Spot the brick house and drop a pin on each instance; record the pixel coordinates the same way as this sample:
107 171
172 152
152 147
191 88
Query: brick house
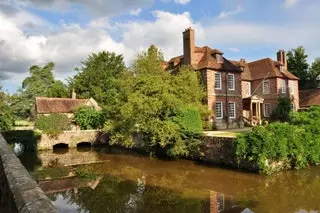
309 97
221 76
237 91
263 83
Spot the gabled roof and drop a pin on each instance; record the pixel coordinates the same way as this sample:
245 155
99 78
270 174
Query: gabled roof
266 68
46 105
309 97
207 61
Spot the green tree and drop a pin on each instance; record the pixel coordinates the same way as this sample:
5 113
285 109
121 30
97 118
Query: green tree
314 72
41 82
282 111
6 119
99 77
298 65
153 100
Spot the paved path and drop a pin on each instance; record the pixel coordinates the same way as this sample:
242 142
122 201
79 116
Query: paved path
230 133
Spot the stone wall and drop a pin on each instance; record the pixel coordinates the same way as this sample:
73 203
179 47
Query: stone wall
72 138
220 151
18 191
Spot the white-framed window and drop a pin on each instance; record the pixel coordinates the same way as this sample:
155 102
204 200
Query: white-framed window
266 110
283 86
266 87
248 92
219 110
217 81
232 110
291 87
219 58
292 107
231 83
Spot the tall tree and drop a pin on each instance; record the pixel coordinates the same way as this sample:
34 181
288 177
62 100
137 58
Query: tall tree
298 65
99 77
154 100
314 73
41 82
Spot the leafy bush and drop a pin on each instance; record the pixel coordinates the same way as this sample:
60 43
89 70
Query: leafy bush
88 118
189 120
294 145
53 124
282 111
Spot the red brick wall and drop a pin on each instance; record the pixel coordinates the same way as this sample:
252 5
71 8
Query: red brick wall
245 88
214 95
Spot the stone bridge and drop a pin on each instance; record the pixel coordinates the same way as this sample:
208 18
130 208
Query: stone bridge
69 138
19 193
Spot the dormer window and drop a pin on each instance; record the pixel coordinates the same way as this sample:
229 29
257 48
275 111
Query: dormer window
219 58
281 68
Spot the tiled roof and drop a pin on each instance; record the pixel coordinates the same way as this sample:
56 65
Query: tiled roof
266 68
309 97
207 61
58 105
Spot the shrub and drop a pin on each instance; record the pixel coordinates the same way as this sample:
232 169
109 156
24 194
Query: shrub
295 145
189 120
282 111
53 124
88 118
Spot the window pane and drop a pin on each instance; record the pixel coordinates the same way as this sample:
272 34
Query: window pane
284 86
248 88
231 82
232 110
266 87
217 82
219 112
267 110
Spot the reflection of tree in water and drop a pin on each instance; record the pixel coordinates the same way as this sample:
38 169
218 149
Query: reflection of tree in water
114 194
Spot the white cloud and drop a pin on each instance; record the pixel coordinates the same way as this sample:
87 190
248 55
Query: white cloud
225 14
136 12
182 1
290 3
234 49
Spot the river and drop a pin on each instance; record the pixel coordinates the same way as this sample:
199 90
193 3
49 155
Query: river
114 180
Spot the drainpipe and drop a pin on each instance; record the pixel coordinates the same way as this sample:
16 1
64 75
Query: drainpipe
227 104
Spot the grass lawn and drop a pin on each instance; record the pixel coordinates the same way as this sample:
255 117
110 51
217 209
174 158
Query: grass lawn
229 133
23 123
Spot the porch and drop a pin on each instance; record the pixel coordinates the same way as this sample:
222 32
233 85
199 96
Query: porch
252 110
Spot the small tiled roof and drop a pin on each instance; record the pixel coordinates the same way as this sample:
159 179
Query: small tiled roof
268 68
58 105
309 97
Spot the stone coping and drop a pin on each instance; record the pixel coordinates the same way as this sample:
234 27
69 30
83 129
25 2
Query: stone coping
26 193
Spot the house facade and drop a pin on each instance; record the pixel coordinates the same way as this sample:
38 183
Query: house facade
238 91
263 83
221 77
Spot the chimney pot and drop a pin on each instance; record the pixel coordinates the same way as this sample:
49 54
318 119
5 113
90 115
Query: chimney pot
188 46
74 94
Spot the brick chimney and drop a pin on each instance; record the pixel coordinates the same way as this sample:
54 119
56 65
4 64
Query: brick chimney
74 94
188 46
281 57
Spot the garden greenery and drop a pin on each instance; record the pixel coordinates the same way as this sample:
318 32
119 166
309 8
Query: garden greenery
89 118
53 124
278 146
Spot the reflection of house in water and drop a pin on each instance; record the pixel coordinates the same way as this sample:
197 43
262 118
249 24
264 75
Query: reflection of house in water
68 184
221 203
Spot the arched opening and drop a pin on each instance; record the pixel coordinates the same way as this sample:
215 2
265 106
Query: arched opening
60 148
84 147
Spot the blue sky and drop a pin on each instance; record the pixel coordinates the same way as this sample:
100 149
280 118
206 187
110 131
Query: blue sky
66 31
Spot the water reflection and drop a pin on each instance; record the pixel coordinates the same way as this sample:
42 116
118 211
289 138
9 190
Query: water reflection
127 182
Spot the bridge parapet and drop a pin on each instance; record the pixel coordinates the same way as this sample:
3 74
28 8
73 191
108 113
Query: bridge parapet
18 191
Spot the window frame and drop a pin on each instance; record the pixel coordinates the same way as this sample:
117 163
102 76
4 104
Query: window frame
283 86
248 88
233 82
221 117
292 107
220 81
263 88
291 87
264 110
234 109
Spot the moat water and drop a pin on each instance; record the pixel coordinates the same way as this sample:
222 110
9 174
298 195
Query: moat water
119 181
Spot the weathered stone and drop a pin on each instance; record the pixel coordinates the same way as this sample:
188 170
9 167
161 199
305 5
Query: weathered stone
19 192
